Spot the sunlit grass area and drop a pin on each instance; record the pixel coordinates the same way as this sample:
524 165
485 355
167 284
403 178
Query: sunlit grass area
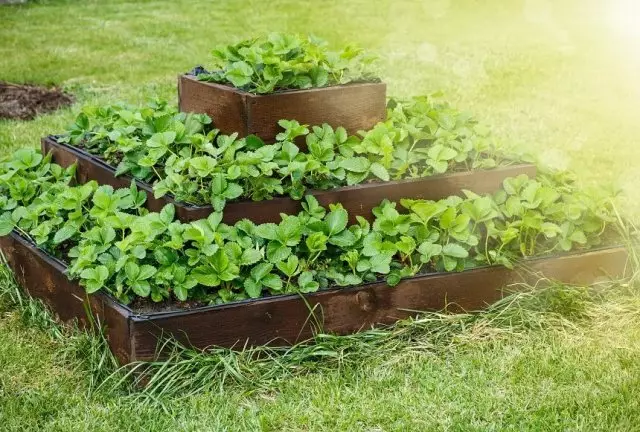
559 78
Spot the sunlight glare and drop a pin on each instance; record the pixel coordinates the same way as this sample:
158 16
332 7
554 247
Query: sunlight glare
625 19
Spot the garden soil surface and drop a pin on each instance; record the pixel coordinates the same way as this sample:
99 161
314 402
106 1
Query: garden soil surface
24 102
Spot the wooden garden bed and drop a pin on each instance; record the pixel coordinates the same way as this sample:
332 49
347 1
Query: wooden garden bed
354 106
357 200
286 319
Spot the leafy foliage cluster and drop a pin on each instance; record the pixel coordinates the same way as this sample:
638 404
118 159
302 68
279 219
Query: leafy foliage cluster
24 178
112 242
285 62
180 154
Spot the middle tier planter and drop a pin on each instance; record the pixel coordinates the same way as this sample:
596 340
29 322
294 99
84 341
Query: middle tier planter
358 200
136 334
355 107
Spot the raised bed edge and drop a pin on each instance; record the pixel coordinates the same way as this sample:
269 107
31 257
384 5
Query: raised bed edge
357 106
357 199
283 320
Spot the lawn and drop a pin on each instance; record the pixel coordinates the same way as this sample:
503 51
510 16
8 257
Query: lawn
556 78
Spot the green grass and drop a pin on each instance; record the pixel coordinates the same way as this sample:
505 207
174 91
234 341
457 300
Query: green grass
554 77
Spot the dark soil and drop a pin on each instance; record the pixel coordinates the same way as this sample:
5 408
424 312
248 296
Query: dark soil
147 306
24 102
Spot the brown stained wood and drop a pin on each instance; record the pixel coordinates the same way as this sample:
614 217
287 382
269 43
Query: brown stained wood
91 167
359 200
354 106
283 320
225 105
43 278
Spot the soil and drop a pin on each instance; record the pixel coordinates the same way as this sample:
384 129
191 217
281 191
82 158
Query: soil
24 102
146 306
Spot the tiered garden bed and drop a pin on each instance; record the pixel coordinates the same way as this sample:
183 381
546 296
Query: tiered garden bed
355 107
460 222
358 200
285 319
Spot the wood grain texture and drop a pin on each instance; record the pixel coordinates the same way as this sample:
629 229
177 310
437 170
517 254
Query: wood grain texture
43 278
285 320
359 200
225 105
91 167
354 106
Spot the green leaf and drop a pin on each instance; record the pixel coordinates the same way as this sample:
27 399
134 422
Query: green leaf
578 237
64 233
146 271
319 76
250 256
272 281
406 245
316 242
254 142
103 197
428 250
181 292
252 288
95 278
206 276
132 271
336 221
203 165
289 267
290 230
214 220
267 231
161 140
441 153
220 261
450 263
380 171
306 283
233 191
165 256
277 252
141 288
454 250
393 279
168 214
92 286
303 81
356 164
239 74
344 239
261 270
380 263
6 224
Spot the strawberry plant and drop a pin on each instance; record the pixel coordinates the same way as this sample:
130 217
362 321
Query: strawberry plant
284 61
112 242
182 155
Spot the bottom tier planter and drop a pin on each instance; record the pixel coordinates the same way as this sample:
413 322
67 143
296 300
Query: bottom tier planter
282 320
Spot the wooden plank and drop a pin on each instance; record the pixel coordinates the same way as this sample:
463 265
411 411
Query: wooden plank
284 320
354 106
225 105
44 278
359 200
91 167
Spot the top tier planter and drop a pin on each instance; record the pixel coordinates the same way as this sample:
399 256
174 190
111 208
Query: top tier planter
355 107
